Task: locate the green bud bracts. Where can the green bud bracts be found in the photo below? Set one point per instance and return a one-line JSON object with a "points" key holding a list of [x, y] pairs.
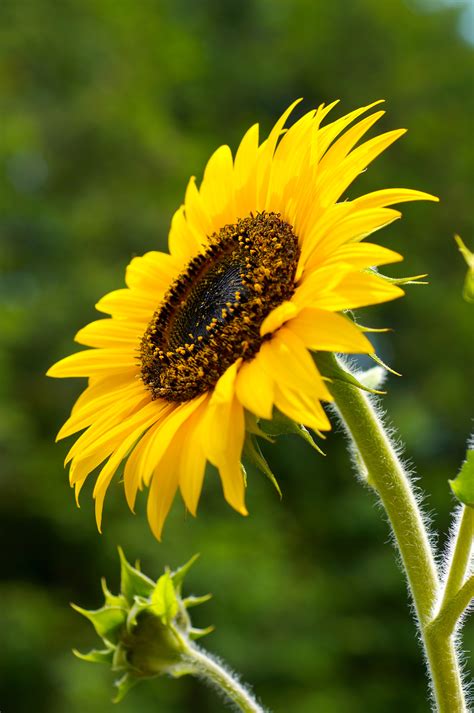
{"points": [[146, 629]]}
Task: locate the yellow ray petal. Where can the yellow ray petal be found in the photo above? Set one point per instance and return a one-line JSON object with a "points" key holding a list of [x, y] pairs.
{"points": [[390, 196], [192, 462], [229, 465], [154, 271], [288, 361], [363, 255], [357, 290], [133, 472], [113, 333], [254, 388], [217, 188], [181, 240], [132, 394], [135, 305], [266, 155], [93, 362], [344, 174], [244, 172], [341, 148], [102, 433], [99, 386], [162, 436], [321, 281], [329, 132], [196, 215], [301, 408], [164, 485], [326, 331], [110, 468], [278, 316]]}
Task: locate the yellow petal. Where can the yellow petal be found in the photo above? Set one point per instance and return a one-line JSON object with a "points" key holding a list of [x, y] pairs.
{"points": [[301, 408], [181, 240], [132, 394], [358, 290], [229, 465], [326, 331], [110, 333], [162, 436], [363, 255], [130, 304], [103, 434], [390, 196], [94, 362], [163, 488], [355, 226], [244, 172], [288, 361], [110, 468], [344, 174], [340, 148], [254, 388], [192, 462], [217, 188], [318, 283], [278, 316], [154, 272]]}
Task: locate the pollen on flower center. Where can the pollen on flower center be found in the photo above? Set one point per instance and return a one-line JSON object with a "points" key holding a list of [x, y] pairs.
{"points": [[212, 313]]}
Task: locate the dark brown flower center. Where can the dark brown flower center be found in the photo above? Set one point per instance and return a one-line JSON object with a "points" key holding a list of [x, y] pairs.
{"points": [[212, 313]]}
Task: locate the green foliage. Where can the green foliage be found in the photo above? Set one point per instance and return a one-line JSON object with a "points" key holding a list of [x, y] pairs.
{"points": [[463, 485], [107, 108]]}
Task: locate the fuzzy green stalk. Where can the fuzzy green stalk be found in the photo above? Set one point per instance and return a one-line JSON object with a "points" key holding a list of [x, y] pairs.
{"points": [[386, 475], [212, 672], [461, 555]]}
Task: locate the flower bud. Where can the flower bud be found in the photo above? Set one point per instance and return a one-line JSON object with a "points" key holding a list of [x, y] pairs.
{"points": [[146, 628]]}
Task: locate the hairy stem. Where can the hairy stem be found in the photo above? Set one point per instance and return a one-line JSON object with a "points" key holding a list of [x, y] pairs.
{"points": [[387, 476], [453, 609], [208, 669], [461, 555]]}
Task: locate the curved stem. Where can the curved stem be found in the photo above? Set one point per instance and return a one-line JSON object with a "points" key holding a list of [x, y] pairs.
{"points": [[212, 672], [388, 477], [461, 555]]}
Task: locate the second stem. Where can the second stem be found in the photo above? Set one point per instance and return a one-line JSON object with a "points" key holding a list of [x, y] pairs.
{"points": [[387, 476]]}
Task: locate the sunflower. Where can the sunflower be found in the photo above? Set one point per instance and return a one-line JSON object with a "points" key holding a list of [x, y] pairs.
{"points": [[264, 260]]}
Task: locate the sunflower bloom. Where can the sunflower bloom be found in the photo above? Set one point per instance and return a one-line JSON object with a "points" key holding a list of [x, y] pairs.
{"points": [[264, 259]]}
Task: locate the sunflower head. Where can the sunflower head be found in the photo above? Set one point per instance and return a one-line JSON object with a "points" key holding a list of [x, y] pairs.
{"points": [[210, 343]]}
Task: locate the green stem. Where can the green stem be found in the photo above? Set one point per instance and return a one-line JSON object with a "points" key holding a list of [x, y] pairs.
{"points": [[461, 555], [453, 609], [212, 672], [388, 477]]}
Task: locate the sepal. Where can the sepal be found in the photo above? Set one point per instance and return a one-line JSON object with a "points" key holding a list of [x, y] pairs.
{"points": [[255, 456]]}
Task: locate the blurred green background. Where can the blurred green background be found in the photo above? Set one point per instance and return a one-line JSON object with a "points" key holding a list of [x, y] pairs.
{"points": [[107, 107]]}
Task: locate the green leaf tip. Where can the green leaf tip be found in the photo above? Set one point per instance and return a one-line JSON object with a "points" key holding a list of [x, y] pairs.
{"points": [[178, 575], [132, 581], [463, 485], [255, 456], [163, 599]]}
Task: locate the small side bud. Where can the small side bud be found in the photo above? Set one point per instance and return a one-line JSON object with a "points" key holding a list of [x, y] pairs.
{"points": [[146, 628]]}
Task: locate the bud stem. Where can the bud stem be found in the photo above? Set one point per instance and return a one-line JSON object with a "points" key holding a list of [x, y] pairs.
{"points": [[207, 668], [387, 476]]}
